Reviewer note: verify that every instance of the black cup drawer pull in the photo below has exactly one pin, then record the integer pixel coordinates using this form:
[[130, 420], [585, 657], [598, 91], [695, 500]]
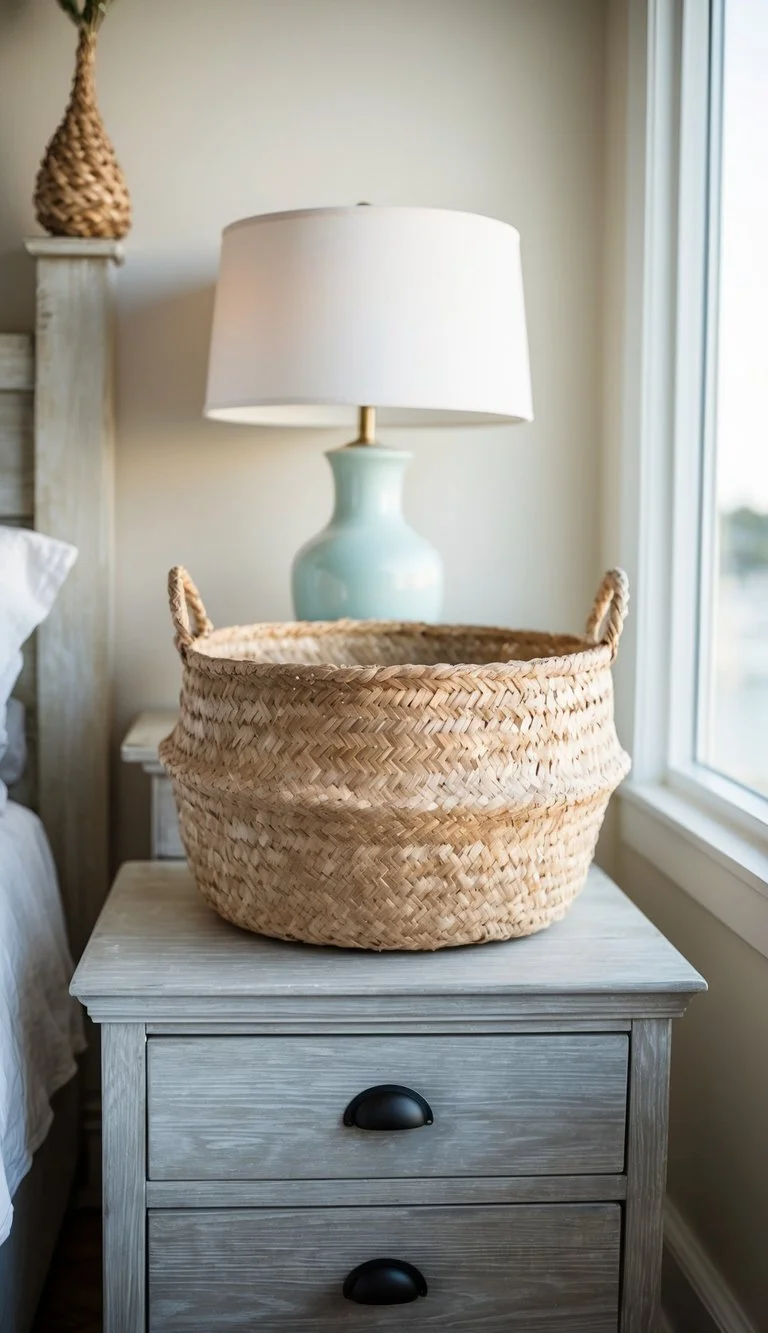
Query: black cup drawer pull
[[388, 1106], [384, 1282]]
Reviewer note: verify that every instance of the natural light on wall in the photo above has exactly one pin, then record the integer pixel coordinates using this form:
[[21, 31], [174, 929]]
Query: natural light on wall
[[733, 687]]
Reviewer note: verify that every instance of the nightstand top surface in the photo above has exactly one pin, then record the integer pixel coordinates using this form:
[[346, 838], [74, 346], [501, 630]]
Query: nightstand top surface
[[157, 941], [145, 734]]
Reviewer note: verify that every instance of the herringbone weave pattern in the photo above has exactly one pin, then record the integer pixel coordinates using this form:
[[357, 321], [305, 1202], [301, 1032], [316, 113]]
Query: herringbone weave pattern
[[359, 783]]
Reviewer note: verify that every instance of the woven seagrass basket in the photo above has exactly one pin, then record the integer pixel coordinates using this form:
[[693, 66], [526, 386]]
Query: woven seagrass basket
[[380, 785]]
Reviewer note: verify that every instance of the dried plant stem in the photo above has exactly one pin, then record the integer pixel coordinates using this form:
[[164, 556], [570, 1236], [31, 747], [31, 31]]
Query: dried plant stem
[[87, 16]]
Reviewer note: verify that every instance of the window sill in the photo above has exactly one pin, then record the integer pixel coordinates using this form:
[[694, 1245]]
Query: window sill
[[717, 866]]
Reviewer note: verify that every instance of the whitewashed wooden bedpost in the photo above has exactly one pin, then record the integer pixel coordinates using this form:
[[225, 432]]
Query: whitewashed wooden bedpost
[[73, 472], [74, 500]]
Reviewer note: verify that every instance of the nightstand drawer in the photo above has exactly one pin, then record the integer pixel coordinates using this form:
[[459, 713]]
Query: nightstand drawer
[[555, 1268], [260, 1108]]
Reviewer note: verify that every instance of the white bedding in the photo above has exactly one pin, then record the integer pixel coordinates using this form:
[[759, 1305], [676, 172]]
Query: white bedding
[[41, 1028]]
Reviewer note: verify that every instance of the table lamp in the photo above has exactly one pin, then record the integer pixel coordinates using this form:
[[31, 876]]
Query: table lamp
[[399, 317]]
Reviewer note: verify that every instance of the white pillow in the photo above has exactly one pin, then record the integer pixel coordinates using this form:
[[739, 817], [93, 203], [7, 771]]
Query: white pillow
[[9, 674], [32, 570], [14, 761]]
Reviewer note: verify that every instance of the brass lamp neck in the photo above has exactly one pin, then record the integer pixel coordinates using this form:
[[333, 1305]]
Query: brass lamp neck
[[367, 426]]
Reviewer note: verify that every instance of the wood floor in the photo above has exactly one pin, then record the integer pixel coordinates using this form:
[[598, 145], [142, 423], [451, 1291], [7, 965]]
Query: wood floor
[[71, 1302]]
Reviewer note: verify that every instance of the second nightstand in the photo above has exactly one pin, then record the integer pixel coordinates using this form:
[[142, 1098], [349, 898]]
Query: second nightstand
[[140, 747]]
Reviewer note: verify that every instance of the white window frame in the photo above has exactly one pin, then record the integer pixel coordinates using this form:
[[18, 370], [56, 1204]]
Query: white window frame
[[694, 512], [703, 831]]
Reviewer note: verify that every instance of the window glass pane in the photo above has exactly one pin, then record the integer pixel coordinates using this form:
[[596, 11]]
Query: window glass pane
[[733, 722]]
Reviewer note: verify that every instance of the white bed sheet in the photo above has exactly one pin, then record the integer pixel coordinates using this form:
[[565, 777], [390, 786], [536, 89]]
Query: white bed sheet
[[41, 1027]]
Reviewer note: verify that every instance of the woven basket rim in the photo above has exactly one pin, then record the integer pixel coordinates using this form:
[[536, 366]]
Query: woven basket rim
[[581, 658]]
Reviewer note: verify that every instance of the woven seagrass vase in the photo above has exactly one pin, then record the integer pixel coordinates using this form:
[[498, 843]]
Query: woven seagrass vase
[[381, 785], [80, 189]]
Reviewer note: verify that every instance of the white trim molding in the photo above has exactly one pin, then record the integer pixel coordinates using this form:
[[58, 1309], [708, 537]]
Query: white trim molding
[[716, 865], [698, 830], [642, 175], [696, 1295]]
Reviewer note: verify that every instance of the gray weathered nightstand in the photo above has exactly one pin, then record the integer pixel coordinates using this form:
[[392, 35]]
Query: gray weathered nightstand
[[504, 1167]]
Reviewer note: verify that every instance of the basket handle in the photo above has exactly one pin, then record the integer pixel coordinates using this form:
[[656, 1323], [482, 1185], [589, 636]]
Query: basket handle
[[184, 597], [609, 611]]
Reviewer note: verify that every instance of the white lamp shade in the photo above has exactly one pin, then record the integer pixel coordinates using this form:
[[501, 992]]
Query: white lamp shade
[[417, 312]]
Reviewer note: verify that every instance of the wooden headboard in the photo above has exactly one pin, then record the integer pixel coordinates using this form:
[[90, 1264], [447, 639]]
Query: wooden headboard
[[56, 465]]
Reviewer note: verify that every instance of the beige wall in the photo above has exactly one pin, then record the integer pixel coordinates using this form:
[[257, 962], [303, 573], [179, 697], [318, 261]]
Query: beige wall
[[220, 110], [718, 1165]]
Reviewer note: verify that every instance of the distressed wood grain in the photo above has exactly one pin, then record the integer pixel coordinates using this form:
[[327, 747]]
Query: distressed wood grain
[[73, 500], [16, 455], [260, 1108], [495, 1270], [377, 1014], [141, 741], [166, 838], [288, 1203], [178, 959], [73, 497], [435, 1025], [140, 746], [17, 362], [646, 1175], [123, 1054], [383, 1193]]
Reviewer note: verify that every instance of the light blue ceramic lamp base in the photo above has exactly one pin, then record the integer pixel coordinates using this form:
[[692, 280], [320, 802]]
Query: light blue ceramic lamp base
[[367, 563]]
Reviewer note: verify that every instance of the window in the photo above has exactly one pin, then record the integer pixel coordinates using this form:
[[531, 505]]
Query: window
[[732, 724], [688, 504]]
